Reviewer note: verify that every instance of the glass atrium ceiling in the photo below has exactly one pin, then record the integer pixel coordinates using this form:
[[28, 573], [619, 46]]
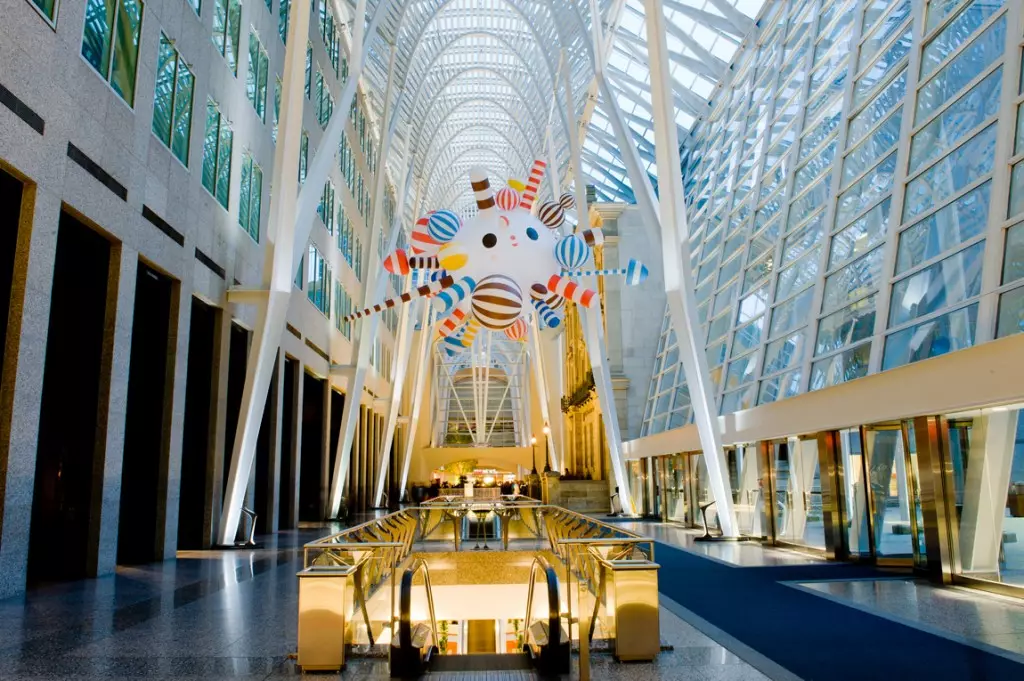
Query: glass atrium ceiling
[[474, 82]]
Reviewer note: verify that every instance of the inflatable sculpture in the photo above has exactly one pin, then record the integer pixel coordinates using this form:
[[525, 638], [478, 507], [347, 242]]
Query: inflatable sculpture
[[506, 262]]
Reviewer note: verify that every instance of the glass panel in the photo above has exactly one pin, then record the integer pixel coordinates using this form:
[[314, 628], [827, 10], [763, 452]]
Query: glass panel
[[955, 34], [753, 305], [987, 461], [958, 222], [1013, 258], [945, 283], [1017, 190], [757, 272], [745, 480], [126, 49], [729, 270], [852, 281], [962, 167], [842, 367], [886, 30], [781, 354], [866, 191], [739, 399], [747, 337], [816, 197], [890, 96], [99, 21], [798, 513], [822, 129], [791, 314], [224, 164], [164, 91], [890, 502], [797, 275], [805, 238], [871, 149], [846, 326], [1011, 313], [718, 327], [961, 70], [951, 331], [780, 387], [1018, 141], [856, 528], [821, 162], [861, 236], [965, 114], [882, 67]]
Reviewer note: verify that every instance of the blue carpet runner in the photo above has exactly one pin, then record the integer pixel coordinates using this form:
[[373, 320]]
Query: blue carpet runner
[[816, 638]]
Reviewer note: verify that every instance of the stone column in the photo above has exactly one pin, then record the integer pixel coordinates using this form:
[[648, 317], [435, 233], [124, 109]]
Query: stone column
[[112, 408], [24, 363]]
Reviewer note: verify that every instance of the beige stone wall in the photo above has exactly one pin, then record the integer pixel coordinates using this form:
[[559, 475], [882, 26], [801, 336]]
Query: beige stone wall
[[582, 496]]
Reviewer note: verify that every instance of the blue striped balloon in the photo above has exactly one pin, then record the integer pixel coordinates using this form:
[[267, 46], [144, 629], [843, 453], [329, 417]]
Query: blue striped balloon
[[443, 225], [636, 272], [446, 299], [572, 252], [547, 315]]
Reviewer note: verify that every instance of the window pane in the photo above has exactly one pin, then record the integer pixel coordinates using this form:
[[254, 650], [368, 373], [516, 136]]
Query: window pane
[[753, 305], [1017, 190], [739, 399], [47, 7], [747, 337], [985, 49], [99, 20], [822, 129], [866, 191], [954, 123], [816, 197], [821, 162], [861, 236], [882, 67], [886, 30], [958, 222], [955, 34], [846, 326], [806, 237], [1011, 313], [183, 113], [797, 276], [953, 331], [951, 174], [741, 371], [256, 200], [210, 147], [845, 366], [853, 281], [947, 282], [243, 192], [126, 49], [162, 105], [791, 314], [884, 102], [867, 154], [782, 353], [780, 387], [1018, 142], [1013, 257], [224, 165]]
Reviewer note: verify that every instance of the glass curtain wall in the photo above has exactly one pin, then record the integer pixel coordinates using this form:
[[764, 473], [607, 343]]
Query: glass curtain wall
[[854, 198]]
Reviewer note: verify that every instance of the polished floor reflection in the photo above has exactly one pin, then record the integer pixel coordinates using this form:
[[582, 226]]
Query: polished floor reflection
[[213, 615], [966, 615]]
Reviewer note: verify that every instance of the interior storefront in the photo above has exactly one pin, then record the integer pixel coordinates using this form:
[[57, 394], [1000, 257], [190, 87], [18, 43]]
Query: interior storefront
[[942, 494]]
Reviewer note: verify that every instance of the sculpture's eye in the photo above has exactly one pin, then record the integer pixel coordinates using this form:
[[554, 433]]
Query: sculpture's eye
[[532, 233], [490, 241]]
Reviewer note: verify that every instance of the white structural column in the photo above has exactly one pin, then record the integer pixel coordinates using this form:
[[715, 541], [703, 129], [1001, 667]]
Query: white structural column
[[543, 392], [400, 364], [682, 303], [278, 273], [367, 327], [291, 219], [416, 399], [593, 322], [988, 478]]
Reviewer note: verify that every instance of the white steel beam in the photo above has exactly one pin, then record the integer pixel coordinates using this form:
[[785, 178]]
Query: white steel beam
[[416, 399], [367, 328], [593, 324], [677, 272]]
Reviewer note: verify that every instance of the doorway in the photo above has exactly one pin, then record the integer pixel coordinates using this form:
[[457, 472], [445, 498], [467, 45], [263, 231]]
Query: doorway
[[894, 500], [140, 531], [288, 474], [311, 502], [11, 192], [238, 356], [62, 504], [264, 480], [194, 500]]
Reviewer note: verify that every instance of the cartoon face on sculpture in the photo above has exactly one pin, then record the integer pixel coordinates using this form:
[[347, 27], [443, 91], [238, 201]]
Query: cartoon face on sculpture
[[501, 265]]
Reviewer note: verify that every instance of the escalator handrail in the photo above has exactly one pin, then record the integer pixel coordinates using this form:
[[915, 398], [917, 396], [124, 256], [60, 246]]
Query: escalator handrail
[[554, 624], [405, 604]]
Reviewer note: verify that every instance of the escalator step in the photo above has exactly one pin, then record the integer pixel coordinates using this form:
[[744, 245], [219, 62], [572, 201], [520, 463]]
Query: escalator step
[[480, 663]]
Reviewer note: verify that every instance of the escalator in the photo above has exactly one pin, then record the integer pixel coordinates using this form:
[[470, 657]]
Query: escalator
[[414, 651]]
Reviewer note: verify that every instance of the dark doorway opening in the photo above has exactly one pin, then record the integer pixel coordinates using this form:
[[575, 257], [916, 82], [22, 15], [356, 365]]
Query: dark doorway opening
[[238, 355], [65, 516], [286, 480], [311, 502], [263, 493], [11, 192], [193, 515], [337, 408], [140, 535]]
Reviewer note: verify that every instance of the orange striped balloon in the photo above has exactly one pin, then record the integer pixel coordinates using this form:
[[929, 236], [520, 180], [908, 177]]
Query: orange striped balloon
[[518, 329]]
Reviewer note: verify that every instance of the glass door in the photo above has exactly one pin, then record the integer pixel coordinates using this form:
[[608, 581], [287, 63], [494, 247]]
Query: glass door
[[796, 482], [675, 500], [747, 493], [890, 493]]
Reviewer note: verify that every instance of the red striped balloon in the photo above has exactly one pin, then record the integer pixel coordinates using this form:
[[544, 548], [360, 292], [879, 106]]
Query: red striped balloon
[[507, 198], [397, 263], [420, 240]]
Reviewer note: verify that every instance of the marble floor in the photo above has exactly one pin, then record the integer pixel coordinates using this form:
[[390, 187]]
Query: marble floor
[[995, 623], [232, 615]]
